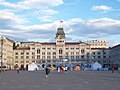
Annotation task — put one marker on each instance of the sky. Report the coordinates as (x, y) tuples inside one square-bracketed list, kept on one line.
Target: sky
[(38, 20)]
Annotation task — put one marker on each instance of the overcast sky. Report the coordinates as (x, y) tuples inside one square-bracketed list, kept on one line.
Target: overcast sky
[(38, 20)]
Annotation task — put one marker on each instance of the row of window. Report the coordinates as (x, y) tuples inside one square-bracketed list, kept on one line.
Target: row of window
[(99, 44), (98, 53), (71, 58), (98, 57), (49, 57), (38, 50), (54, 57), (53, 53), (22, 61)]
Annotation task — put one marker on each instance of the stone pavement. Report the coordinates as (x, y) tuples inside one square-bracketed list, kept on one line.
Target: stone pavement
[(71, 80)]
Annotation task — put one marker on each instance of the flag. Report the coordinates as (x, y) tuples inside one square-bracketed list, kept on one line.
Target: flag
[(61, 21)]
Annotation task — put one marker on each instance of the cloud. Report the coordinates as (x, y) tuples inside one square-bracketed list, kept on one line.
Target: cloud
[(43, 9), (102, 8), (76, 27), (7, 17), (45, 15), (95, 28), (46, 18), (32, 4)]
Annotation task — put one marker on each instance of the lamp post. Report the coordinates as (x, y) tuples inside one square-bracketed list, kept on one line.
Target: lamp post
[(1, 52), (23, 59)]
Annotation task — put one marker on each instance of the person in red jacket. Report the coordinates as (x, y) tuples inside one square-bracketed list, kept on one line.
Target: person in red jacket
[(113, 69)]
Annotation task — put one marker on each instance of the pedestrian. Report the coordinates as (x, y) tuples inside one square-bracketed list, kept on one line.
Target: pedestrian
[(113, 69), (58, 69), (17, 70), (47, 71)]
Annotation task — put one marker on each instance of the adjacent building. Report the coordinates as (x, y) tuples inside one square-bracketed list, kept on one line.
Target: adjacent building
[(115, 55), (6, 52)]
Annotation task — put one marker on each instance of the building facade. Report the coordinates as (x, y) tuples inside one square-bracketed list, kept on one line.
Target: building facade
[(6, 52), (98, 43), (115, 54), (57, 52)]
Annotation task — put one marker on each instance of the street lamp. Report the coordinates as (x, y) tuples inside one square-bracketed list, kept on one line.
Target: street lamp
[(1, 52)]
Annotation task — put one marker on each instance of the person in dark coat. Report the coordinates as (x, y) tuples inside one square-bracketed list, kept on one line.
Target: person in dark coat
[(47, 71)]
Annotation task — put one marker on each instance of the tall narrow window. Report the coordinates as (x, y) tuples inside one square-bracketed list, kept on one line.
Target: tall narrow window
[(60, 51), (82, 51), (38, 51)]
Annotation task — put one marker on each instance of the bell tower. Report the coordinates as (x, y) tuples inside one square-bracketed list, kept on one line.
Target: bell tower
[(60, 36)]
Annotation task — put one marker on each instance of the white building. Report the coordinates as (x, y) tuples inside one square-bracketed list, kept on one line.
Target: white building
[(54, 52)]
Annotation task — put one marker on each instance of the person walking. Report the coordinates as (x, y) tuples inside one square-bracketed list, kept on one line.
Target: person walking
[(113, 69), (18, 70), (47, 71)]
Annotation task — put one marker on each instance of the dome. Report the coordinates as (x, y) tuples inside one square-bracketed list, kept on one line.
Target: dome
[(60, 33)]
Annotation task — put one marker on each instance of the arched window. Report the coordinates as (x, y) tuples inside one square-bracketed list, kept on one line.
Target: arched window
[(82, 51), (38, 51), (60, 51)]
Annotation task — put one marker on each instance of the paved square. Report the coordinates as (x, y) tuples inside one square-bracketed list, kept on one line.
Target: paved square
[(71, 80)]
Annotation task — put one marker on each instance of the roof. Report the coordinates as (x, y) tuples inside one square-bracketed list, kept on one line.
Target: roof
[(22, 48), (116, 46), (71, 43), (99, 48), (10, 40), (54, 43)]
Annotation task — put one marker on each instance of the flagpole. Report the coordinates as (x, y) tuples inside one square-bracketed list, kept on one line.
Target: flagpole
[(61, 23)]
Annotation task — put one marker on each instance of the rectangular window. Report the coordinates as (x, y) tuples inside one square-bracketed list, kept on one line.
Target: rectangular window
[(33, 48), (33, 53), (48, 53), (93, 53), (66, 57), (43, 48), (16, 53), (77, 53), (43, 53), (67, 48), (48, 48), (43, 57), (22, 57), (77, 48), (104, 52), (16, 61), (27, 57), (98, 52), (72, 53), (27, 53), (72, 48), (38, 56), (54, 57), (72, 57), (22, 61), (48, 57), (82, 56), (60, 57), (77, 57), (22, 53), (54, 53), (16, 57), (99, 57), (54, 48), (27, 61), (104, 56)]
